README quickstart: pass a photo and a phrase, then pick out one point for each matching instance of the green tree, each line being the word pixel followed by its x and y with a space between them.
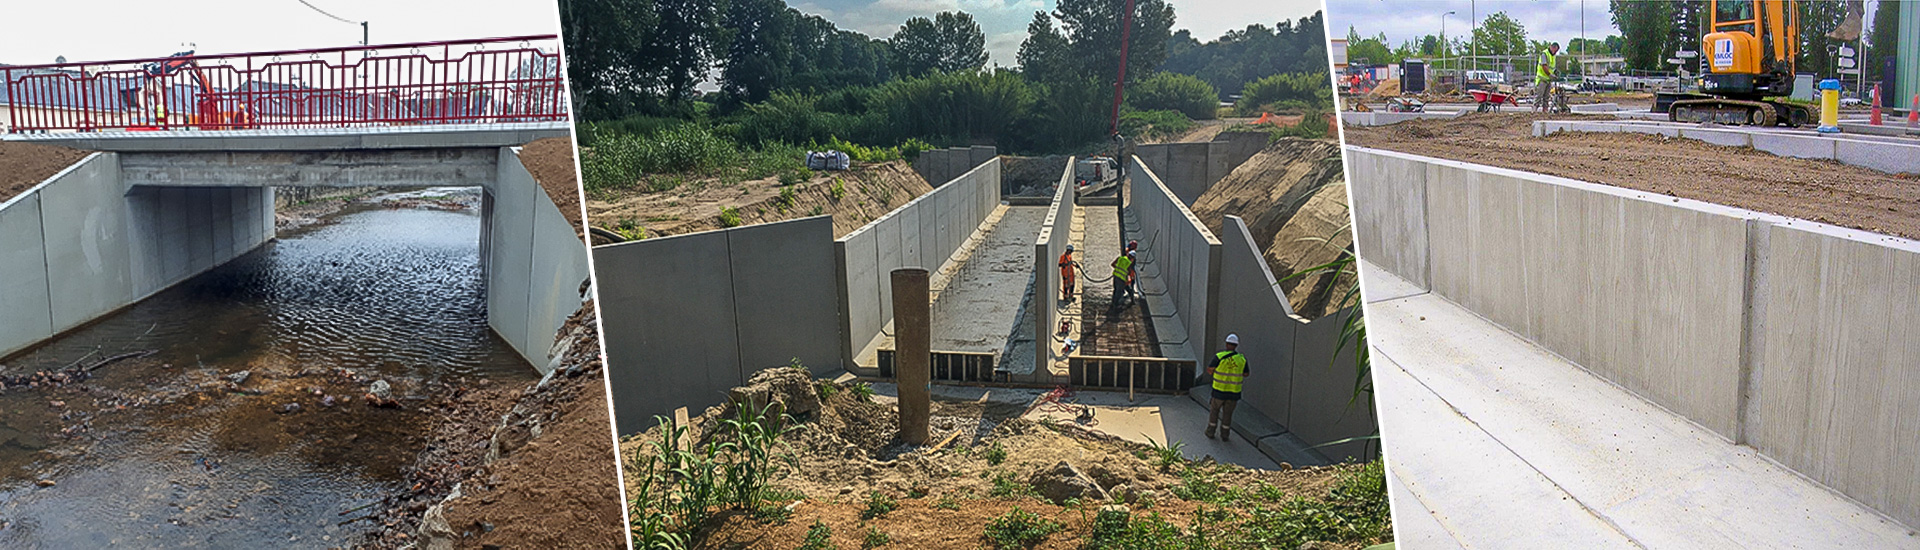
pixel 1191 96
pixel 1370 50
pixel 603 40
pixel 681 47
pixel 1647 28
pixel 1499 34
pixel 949 42
pixel 1092 28
pixel 759 49
pixel 1816 20
pixel 1043 56
pixel 1244 55
pixel 1883 39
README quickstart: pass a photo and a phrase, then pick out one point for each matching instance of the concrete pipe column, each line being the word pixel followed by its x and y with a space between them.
pixel 913 352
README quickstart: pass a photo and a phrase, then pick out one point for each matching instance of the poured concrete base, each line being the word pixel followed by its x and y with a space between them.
pixel 1896 155
pixel 1493 442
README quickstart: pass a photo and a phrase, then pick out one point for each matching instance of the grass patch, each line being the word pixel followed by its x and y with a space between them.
pixel 729 217
pixel 1167 455
pixel 878 504
pixel 1005 485
pixel 874 539
pixel 819 537
pixel 1020 529
pixel 996 454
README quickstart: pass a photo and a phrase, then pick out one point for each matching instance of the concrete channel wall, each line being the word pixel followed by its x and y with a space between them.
pixel 1182 254
pixel 1188 169
pixel 1301 378
pixel 1055 236
pixel 535 263
pixel 925 232
pixel 1783 334
pixel 84 243
pixel 939 166
pixel 700 313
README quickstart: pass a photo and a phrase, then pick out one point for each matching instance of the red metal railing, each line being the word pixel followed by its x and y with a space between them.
pixel 480 81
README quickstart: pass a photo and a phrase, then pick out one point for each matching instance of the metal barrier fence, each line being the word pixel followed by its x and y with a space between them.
pixel 1131 373
pixel 950 366
pixel 478 81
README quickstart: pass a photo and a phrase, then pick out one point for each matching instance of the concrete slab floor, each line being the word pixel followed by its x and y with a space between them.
pixel 1149 416
pixel 1506 445
pixel 937 283
pixel 979 308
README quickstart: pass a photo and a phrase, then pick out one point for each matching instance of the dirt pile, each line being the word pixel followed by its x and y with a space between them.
pixel 1031 176
pixel 519 467
pixel 854 197
pixel 551 163
pixel 1293 197
pixel 24 165
pixel 1819 190
pixel 987 462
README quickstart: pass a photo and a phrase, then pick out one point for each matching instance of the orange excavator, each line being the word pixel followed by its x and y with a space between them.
pixel 209 112
pixel 1753 47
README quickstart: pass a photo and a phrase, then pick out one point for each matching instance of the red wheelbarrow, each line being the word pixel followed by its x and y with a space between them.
pixel 1490 100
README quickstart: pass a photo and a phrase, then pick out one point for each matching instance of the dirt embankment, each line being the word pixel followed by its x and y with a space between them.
pixel 1293 196
pixel 854 197
pixel 551 163
pixel 24 165
pixel 1819 190
pixel 524 467
pixel 1032 176
pixel 844 450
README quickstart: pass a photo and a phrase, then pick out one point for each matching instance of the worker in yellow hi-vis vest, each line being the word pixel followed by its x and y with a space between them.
pixel 1229 372
pixel 1123 277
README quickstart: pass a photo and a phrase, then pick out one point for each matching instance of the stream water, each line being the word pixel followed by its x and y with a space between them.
pixel 169 451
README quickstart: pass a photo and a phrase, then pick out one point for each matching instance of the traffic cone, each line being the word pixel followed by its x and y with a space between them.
pixel 1874 117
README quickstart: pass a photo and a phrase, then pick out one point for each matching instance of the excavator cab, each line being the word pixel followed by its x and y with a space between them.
pixel 1751 52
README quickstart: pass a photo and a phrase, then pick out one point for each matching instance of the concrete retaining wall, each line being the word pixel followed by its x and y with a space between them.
pixel 925 232
pixel 1055 236
pixel 1296 379
pixel 1784 334
pixel 535 263
pixel 1181 254
pixel 1383 118
pixel 689 316
pixel 1891 155
pixel 1189 169
pixel 939 166
pixel 467 167
pixel 85 243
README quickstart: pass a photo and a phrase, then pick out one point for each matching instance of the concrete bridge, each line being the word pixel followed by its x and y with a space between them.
pixel 152 209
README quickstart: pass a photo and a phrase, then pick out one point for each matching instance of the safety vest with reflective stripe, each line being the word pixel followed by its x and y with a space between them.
pixel 1122 266
pixel 1231 371
pixel 1543 71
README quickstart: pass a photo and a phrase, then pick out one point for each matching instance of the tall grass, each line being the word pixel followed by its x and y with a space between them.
pixel 679 489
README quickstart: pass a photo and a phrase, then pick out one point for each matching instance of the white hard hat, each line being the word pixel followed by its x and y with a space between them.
pixel 1233 339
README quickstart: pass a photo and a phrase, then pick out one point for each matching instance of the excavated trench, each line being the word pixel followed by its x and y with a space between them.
pixel 249 405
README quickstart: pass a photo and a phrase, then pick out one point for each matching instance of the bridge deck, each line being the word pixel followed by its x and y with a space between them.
pixel 433 136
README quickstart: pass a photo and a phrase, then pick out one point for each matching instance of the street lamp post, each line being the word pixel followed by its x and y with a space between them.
pixel 1462 84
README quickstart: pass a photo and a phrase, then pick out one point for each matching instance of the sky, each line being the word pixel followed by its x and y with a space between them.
pixel 96 30
pixel 1402 20
pixel 1005 21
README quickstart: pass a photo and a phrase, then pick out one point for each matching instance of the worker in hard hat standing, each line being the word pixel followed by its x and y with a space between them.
pixel 1229 372
pixel 1066 275
pixel 1123 275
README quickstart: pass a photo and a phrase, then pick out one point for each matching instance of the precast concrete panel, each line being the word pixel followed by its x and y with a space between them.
pixel 199 228
pixel 858 252
pixel 559 267
pixel 980 154
pixel 890 254
pixel 86 234
pixel 929 234
pixel 1786 145
pixel 667 307
pixel 1252 307
pixel 1186 174
pixel 1894 158
pixel 780 276
pixel 1835 388
pixel 510 258
pixel 26 308
pixel 220 221
pixel 1219 164
pixel 1390 213
pixel 1323 408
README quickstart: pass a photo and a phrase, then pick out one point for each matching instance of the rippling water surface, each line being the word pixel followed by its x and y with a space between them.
pixel 391 293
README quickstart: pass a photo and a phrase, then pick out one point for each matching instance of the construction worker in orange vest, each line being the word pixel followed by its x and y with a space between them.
pixel 1066 275
pixel 1229 374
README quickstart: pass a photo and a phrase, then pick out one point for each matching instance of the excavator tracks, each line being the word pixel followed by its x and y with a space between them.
pixel 1739 112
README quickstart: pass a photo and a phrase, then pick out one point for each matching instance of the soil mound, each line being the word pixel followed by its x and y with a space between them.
pixel 24 165
pixel 853 197
pixel 1292 195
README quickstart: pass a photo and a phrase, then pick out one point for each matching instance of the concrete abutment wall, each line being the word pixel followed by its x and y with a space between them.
pixel 1055 235
pixel 1783 334
pixel 85 243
